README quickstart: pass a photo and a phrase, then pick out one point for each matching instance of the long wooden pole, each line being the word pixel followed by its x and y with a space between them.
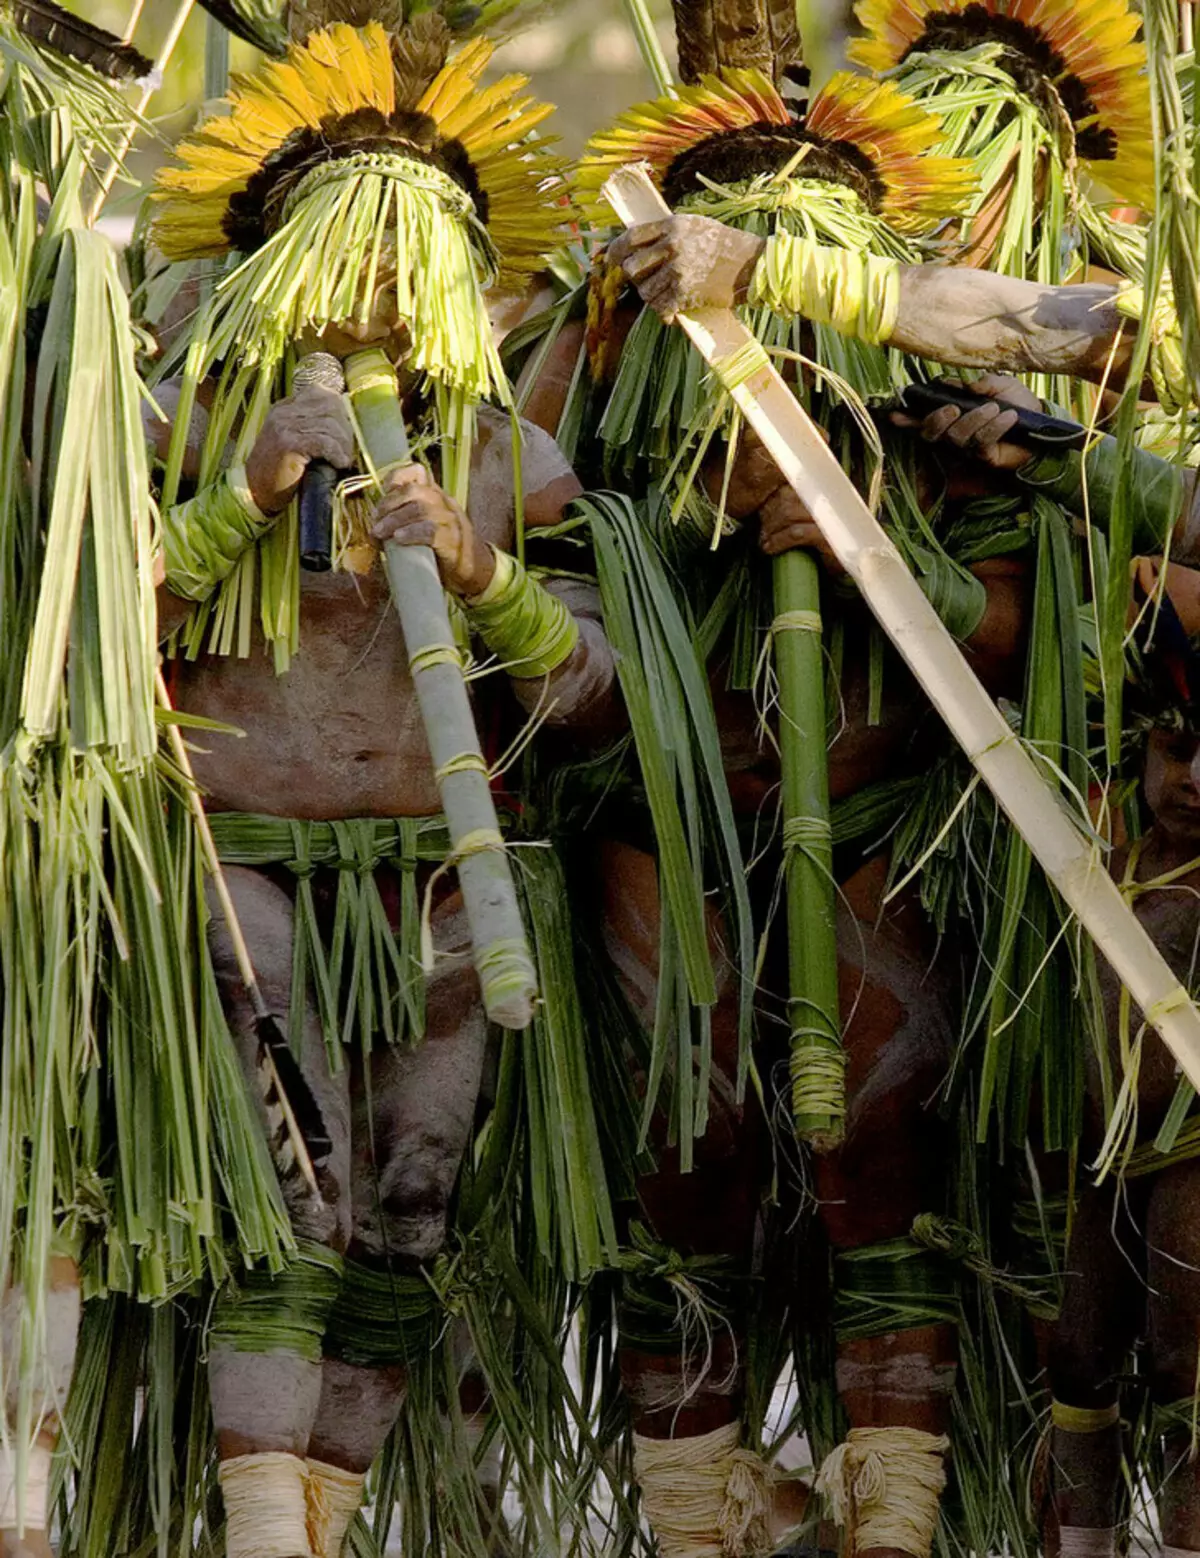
pixel 162 60
pixel 506 972
pixel 1071 860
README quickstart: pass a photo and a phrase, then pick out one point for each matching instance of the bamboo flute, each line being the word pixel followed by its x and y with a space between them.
pixel 502 959
pixel 1071 861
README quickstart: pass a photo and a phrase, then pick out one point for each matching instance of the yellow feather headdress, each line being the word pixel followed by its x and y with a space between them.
pixel 355 162
pixel 1087 52
pixel 865 134
pixel 337 96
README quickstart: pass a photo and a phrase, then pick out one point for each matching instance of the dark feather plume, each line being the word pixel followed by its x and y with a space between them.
pixel 306 16
pixel 48 23
pixel 267 33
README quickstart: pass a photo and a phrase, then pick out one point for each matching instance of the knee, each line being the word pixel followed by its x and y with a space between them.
pixel 324 1218
pixel 413 1202
pixel 265 914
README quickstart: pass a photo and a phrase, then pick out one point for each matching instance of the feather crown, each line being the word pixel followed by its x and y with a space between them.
pixel 1082 59
pixel 346 94
pixel 863 134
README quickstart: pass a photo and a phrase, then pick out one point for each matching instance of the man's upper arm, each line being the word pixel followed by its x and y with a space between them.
pixel 547 481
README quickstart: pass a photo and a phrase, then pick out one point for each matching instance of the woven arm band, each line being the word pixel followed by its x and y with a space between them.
pixel 526 627
pixel 958 597
pixel 1086 484
pixel 858 294
pixel 1167 365
pixel 204 538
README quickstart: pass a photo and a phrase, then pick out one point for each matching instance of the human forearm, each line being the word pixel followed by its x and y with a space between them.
pixel 974 319
pixel 952 314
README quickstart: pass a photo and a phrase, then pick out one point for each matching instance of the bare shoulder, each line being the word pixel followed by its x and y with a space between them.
pixel 547 481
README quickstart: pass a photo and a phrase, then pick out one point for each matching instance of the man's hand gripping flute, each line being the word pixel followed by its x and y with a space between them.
pixel 506 973
pixel 1072 861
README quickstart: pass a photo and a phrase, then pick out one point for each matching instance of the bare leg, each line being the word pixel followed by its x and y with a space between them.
pixel 1173 1229
pixel 411 1128
pixel 893 1163
pixel 62 1311
pixel 712 1209
pixel 264 1401
pixel 686 1390
pixel 1102 1311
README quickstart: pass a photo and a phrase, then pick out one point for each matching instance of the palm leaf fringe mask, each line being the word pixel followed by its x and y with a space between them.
pixel 1082 67
pixel 333 171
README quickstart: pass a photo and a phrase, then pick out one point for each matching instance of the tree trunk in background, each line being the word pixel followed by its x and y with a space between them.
pixel 717 35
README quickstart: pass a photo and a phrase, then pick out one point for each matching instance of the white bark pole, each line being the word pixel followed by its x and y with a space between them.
pixel 1072 861
pixel 507 977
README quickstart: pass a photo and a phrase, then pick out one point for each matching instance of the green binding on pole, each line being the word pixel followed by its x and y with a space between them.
pixel 501 952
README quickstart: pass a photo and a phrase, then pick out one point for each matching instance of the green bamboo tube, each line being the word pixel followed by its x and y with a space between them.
pixel 817 1062
pixel 501 952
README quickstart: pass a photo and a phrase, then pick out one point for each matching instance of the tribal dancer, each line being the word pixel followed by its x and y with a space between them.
pixel 1130 1264
pixel 371 187
pixel 131 1160
pixel 989 321
pixel 1035 94
pixel 856 170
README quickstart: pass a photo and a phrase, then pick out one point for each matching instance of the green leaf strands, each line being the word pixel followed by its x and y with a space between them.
pixel 565 1159
pixel 95 856
pixel 1068 852
pixel 678 747
pixel 641 23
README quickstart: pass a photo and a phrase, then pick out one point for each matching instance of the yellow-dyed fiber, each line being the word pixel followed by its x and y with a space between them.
pixel 1084 1420
pixel 266 1505
pixel 334 1497
pixel 705 1497
pixel 884 1485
